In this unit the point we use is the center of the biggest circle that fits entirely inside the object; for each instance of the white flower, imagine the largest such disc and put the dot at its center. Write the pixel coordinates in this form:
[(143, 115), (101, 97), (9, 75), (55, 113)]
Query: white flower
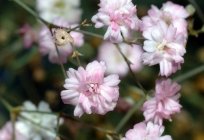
[(42, 126), (67, 9)]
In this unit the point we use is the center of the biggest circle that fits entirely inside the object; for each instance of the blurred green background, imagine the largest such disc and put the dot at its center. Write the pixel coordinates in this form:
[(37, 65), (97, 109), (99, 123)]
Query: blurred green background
[(26, 75)]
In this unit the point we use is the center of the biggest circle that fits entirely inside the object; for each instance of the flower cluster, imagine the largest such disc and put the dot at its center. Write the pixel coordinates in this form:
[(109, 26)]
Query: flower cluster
[(41, 127), (119, 16), (166, 33), (88, 88)]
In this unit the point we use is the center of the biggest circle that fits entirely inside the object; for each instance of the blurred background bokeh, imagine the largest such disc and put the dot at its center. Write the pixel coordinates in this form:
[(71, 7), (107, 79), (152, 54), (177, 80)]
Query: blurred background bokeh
[(26, 75)]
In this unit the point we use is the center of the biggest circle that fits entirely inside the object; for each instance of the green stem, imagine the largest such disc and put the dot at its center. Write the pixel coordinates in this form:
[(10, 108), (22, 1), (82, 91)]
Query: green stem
[(58, 54), (129, 66), (41, 112), (129, 115), (90, 34), (29, 10), (76, 54), (189, 74)]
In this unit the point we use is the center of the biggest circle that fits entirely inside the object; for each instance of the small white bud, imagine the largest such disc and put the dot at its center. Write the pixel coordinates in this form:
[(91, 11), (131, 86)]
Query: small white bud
[(62, 37)]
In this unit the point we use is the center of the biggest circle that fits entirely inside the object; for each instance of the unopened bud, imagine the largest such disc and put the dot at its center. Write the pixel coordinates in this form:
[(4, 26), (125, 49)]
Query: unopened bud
[(62, 37)]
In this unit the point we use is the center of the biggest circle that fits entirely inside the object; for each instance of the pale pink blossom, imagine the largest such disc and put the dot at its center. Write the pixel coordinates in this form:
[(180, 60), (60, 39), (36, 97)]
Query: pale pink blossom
[(165, 47), (116, 63), (170, 13), (29, 35), (21, 131), (90, 91), (165, 102), (119, 16), (47, 46), (149, 131)]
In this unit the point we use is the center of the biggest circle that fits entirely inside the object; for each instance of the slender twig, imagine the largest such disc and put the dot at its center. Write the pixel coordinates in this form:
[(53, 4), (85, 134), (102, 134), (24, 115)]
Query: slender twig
[(58, 125), (90, 34), (198, 9), (75, 54), (129, 114), (129, 66), (13, 121), (29, 10), (89, 125), (41, 112), (189, 74), (58, 55), (12, 115)]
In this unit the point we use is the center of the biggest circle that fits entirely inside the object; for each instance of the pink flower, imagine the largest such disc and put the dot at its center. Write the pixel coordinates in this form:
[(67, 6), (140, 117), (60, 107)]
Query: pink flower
[(90, 91), (171, 7), (168, 15), (47, 46), (21, 131), (141, 131), (164, 104), (28, 34), (119, 16), (164, 47), (116, 63)]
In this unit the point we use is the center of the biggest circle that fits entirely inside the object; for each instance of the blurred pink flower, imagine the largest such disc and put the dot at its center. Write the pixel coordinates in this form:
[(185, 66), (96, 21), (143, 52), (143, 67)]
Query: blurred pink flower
[(47, 46), (116, 63), (120, 17), (90, 91), (29, 35), (164, 104), (21, 131), (141, 131), (164, 47), (168, 15)]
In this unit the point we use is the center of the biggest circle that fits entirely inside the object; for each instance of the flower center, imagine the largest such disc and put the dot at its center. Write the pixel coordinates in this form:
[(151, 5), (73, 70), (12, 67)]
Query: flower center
[(162, 45), (91, 89)]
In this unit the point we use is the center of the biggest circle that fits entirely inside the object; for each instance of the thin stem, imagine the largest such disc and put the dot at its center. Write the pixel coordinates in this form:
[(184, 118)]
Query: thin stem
[(29, 10), (76, 54), (129, 66), (189, 74), (13, 121), (89, 125), (6, 104), (129, 114), (36, 124), (58, 54), (198, 9), (58, 125), (90, 34), (41, 112)]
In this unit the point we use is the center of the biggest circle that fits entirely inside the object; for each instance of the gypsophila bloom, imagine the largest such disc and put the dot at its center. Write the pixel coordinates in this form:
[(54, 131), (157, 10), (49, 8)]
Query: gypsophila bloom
[(22, 132), (116, 63), (151, 131), (29, 35), (90, 91), (170, 13), (47, 121), (68, 10), (62, 40), (119, 16), (165, 47), (164, 103)]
